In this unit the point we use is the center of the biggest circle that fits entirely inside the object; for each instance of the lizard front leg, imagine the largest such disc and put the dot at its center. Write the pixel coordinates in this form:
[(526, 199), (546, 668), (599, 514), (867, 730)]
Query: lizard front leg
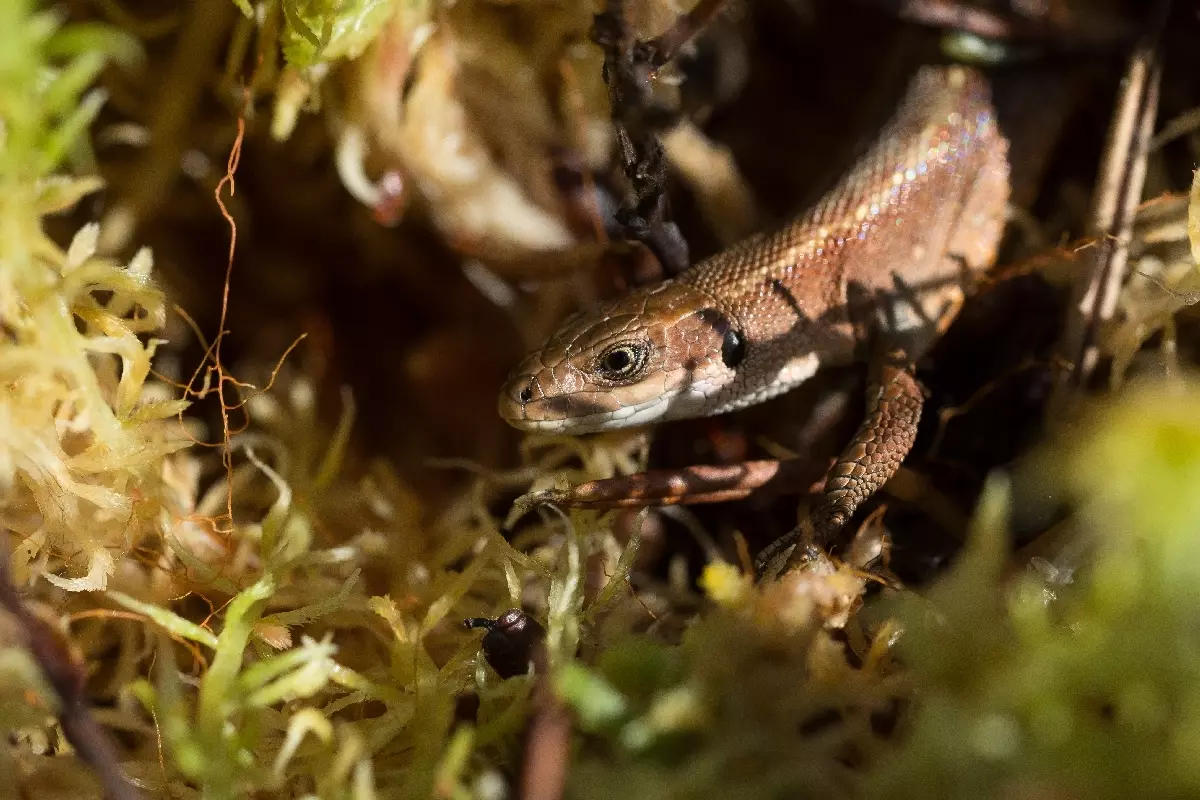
[(894, 401)]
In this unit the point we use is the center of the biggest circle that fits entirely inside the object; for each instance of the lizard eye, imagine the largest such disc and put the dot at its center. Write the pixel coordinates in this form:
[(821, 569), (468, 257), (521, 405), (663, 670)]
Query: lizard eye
[(733, 348), (621, 361)]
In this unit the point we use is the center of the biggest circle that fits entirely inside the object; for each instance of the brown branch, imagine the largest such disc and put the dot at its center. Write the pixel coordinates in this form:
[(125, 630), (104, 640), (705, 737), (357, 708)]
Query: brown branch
[(630, 67), (514, 642), (547, 744), (1094, 30), (65, 676), (176, 104), (1114, 205), (663, 49), (548, 737)]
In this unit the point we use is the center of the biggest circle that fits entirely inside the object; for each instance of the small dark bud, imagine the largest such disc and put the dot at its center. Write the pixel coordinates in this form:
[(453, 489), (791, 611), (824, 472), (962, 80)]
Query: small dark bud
[(466, 708), (512, 641)]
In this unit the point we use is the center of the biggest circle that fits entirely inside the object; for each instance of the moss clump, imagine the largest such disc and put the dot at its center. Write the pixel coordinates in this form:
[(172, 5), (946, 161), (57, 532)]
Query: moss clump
[(291, 628), (80, 427), (1078, 678), (1069, 679)]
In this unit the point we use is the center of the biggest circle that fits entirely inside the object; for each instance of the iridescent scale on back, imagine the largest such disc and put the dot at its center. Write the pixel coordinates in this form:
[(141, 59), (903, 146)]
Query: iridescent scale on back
[(922, 210), (884, 259)]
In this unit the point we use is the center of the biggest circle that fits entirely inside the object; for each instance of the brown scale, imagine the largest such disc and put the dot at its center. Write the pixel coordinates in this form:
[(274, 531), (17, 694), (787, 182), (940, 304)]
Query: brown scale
[(802, 288), (874, 271)]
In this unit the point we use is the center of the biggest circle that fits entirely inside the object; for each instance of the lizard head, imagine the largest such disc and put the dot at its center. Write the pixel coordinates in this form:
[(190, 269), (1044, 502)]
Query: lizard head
[(659, 353)]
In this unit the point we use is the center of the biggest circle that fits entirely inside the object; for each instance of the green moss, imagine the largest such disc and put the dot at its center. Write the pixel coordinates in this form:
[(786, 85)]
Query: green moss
[(335, 667), (1090, 689)]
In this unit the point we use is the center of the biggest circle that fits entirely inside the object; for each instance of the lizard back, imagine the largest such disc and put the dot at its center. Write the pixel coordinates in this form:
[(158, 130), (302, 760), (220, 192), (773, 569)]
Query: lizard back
[(886, 253), (896, 238)]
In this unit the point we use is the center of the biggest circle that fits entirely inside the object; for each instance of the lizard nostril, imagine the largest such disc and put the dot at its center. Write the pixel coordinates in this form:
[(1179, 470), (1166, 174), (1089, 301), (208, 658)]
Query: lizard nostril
[(526, 394)]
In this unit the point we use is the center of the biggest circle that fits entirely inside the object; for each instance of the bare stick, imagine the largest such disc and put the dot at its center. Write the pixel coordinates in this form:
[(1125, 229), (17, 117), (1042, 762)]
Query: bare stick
[(84, 733), (664, 48), (1114, 203), (1094, 30)]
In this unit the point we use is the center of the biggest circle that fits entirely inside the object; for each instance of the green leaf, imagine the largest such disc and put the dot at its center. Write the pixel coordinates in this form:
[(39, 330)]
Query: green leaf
[(598, 705)]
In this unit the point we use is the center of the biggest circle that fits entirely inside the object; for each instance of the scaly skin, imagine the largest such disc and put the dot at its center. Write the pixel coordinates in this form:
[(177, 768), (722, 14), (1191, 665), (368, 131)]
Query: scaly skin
[(878, 265)]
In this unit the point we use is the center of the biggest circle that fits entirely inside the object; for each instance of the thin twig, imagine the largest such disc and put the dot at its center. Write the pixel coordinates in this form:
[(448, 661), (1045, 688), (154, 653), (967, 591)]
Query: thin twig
[(663, 49), (175, 106), (1088, 31), (1114, 203), (85, 734), (629, 67), (548, 734), (547, 744), (943, 14)]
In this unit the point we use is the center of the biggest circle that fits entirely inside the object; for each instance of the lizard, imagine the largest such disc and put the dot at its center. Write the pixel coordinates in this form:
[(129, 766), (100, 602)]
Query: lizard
[(873, 273)]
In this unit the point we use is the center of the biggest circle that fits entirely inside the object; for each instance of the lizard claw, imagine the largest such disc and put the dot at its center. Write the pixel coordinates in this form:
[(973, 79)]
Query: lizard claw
[(801, 547), (796, 549), (803, 554)]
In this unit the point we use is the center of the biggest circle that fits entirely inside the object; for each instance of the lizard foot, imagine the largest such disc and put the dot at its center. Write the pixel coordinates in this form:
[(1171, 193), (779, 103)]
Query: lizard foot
[(801, 547), (883, 440)]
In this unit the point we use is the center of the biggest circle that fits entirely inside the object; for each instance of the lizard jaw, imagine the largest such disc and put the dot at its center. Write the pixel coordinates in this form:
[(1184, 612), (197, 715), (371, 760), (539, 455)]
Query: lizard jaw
[(523, 416)]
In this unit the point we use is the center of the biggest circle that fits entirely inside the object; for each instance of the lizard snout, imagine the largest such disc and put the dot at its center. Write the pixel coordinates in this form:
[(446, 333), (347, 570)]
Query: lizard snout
[(533, 397), (519, 391), (553, 400)]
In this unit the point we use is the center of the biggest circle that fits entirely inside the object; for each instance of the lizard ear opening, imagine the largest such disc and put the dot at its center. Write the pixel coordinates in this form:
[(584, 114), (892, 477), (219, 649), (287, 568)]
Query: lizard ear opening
[(733, 343), (733, 348)]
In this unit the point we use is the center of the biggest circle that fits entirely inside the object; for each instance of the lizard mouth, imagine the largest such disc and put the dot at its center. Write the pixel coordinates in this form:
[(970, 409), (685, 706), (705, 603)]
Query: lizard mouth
[(525, 408)]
